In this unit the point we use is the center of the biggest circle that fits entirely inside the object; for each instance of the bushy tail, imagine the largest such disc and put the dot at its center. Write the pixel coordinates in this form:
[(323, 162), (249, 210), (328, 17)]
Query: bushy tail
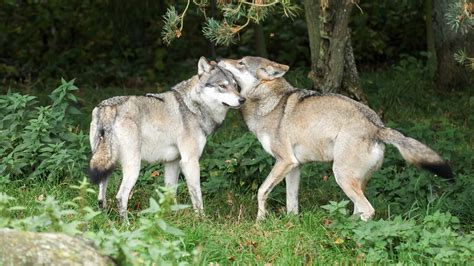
[(417, 153), (103, 154)]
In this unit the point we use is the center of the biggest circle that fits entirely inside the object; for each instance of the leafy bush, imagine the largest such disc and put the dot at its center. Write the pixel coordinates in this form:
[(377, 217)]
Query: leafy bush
[(239, 163), (41, 141), (432, 238), (152, 238)]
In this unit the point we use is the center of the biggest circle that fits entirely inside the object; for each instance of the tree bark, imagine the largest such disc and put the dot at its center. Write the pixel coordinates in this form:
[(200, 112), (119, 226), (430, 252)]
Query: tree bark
[(260, 43), (213, 14), (449, 73), (430, 42), (333, 67), (341, 11), (28, 248), (350, 78), (312, 13)]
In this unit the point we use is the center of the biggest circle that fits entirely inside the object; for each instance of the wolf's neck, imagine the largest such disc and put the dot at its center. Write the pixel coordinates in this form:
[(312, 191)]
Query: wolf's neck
[(211, 118), (263, 103)]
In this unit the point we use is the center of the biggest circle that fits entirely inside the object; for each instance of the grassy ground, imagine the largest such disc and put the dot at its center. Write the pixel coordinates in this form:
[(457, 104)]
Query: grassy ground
[(228, 233)]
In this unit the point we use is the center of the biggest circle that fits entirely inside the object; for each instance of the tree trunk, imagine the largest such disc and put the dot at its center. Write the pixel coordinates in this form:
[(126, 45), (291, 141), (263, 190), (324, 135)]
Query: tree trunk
[(350, 78), (260, 44), (339, 21), (430, 42), (449, 73), (312, 12), (333, 67), (28, 248), (213, 14)]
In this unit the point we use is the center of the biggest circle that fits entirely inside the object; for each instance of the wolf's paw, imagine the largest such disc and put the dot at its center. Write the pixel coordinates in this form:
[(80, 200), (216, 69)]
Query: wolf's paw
[(102, 204)]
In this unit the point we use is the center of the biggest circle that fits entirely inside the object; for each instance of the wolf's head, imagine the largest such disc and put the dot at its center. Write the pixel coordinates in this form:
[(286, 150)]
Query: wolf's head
[(250, 71), (217, 86)]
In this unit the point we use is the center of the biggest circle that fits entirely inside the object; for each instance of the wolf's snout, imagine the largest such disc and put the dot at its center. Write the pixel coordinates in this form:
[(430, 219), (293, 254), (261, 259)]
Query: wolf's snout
[(242, 100), (218, 59)]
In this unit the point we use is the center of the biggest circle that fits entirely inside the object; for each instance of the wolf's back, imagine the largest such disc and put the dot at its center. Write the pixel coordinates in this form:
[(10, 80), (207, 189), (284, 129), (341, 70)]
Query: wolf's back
[(103, 151), (416, 153)]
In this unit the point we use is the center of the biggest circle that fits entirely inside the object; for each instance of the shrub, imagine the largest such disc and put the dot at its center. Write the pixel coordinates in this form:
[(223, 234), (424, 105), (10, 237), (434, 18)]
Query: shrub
[(432, 238), (152, 239), (41, 141), (238, 163)]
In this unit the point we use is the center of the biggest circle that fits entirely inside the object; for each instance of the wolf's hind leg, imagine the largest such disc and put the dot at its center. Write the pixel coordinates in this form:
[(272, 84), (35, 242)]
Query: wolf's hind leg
[(130, 171), (353, 171), (292, 186), (102, 193), (353, 189), (128, 136)]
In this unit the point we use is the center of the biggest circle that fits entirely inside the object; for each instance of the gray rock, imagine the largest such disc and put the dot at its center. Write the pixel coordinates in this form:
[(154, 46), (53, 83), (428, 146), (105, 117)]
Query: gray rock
[(29, 248)]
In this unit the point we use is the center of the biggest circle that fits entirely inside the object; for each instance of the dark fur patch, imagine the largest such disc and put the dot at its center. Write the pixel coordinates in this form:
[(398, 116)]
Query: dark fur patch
[(284, 101), (96, 175), (305, 94), (155, 96), (440, 169)]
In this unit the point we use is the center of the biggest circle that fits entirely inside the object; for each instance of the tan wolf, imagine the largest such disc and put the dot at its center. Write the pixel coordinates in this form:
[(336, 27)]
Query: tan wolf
[(297, 126), (170, 127)]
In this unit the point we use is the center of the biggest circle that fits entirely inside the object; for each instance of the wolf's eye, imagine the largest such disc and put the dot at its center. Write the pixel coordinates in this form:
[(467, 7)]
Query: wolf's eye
[(221, 88)]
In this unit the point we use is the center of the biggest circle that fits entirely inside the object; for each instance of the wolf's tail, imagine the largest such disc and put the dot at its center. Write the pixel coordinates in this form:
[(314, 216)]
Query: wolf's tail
[(417, 153), (103, 153)]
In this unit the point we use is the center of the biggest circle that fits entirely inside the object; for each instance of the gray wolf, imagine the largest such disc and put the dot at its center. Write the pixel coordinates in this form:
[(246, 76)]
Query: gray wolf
[(297, 126), (170, 127)]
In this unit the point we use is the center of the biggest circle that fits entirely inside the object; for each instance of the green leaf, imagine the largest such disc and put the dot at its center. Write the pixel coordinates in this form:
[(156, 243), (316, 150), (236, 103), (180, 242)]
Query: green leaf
[(17, 208), (154, 207), (177, 207)]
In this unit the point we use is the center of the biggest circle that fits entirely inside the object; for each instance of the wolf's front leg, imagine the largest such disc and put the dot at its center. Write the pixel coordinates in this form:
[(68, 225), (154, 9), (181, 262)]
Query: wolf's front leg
[(279, 170), (171, 175), (292, 187), (190, 167)]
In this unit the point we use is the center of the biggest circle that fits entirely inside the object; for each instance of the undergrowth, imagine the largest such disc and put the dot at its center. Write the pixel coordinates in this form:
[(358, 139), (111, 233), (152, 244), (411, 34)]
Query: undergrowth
[(41, 141), (151, 236)]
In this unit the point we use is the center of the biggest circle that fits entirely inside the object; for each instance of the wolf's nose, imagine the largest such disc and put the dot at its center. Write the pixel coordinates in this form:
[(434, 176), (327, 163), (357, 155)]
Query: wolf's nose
[(218, 59), (242, 100)]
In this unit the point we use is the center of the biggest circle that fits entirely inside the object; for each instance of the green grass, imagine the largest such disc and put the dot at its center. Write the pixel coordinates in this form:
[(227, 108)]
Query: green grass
[(228, 233)]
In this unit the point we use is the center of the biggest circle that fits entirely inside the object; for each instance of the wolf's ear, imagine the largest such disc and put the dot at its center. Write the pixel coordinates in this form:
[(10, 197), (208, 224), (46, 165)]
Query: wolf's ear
[(203, 66), (272, 71)]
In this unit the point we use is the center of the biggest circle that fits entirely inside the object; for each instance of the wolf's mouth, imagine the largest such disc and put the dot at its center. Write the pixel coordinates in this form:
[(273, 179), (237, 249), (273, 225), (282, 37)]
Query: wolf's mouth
[(231, 106)]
